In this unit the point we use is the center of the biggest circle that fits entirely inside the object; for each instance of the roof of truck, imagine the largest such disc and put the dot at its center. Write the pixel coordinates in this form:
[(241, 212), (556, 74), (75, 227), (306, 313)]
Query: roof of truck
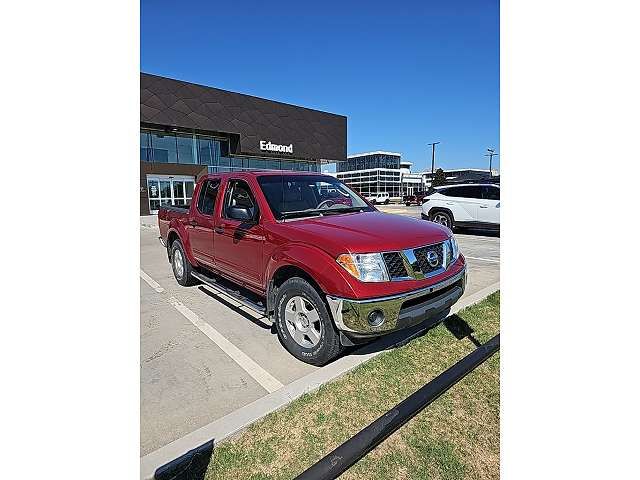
[(261, 173)]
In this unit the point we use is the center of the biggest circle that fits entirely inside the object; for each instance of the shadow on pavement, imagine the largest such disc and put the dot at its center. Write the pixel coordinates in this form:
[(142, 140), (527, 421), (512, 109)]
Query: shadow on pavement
[(266, 325), (190, 466)]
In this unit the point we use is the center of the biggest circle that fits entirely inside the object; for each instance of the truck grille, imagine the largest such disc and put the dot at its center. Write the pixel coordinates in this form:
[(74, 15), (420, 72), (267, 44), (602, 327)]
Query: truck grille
[(423, 253), (395, 265), (414, 262)]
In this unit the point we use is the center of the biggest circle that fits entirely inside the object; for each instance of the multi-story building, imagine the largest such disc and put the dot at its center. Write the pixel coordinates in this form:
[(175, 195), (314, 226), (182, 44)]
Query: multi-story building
[(188, 130), (373, 172)]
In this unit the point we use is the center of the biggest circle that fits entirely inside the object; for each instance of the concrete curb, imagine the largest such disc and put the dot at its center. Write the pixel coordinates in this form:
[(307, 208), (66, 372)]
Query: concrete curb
[(234, 422)]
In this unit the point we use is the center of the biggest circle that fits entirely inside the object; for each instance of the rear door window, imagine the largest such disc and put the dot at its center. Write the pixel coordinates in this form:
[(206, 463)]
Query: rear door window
[(207, 198), (463, 191)]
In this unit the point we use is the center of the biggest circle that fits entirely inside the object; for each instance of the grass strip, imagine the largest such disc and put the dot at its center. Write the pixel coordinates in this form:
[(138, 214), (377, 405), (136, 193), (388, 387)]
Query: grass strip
[(458, 436)]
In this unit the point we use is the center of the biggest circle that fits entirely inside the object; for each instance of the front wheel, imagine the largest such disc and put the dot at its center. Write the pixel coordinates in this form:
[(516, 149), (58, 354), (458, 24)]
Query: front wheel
[(443, 218), (303, 323)]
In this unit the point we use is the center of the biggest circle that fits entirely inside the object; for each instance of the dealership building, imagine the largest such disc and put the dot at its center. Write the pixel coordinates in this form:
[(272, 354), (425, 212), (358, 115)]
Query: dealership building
[(189, 130)]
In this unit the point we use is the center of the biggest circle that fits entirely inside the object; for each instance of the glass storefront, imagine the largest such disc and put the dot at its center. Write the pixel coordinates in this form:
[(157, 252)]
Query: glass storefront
[(167, 147), (168, 190)]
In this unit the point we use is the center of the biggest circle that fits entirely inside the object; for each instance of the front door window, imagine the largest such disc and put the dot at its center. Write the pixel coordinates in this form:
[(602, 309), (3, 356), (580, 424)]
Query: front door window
[(169, 191)]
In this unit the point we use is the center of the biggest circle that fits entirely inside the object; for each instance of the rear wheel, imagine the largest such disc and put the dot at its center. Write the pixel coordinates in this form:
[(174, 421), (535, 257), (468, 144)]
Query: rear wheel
[(443, 218), (303, 323), (180, 265)]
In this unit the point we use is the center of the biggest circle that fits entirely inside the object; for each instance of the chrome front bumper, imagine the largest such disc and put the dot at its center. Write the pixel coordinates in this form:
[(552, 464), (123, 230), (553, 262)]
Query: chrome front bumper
[(400, 311)]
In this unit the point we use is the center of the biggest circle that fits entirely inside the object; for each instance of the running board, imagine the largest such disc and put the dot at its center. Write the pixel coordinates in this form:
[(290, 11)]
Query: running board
[(257, 307)]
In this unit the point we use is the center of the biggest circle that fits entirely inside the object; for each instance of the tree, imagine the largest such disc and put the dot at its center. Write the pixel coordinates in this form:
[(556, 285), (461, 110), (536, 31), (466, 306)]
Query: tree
[(438, 178)]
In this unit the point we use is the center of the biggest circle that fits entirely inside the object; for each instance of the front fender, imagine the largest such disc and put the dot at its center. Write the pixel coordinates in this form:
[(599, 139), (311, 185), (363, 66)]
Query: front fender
[(319, 265)]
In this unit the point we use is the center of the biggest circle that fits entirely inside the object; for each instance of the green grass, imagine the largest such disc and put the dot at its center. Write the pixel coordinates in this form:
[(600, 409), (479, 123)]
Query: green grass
[(457, 436)]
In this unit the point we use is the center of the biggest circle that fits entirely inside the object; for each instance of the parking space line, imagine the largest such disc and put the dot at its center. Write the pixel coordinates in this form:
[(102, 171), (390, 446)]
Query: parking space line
[(259, 374), (491, 260), (151, 282)]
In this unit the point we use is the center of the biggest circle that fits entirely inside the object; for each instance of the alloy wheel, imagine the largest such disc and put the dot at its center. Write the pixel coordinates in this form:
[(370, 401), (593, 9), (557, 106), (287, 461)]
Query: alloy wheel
[(442, 219), (303, 322), (178, 263)]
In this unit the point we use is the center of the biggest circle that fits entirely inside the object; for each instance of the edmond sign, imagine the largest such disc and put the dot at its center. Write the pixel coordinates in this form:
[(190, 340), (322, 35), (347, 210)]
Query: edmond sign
[(272, 147)]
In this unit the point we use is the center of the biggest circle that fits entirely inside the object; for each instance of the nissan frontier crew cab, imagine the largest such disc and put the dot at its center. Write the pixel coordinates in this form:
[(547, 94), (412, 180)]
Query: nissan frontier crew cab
[(317, 259)]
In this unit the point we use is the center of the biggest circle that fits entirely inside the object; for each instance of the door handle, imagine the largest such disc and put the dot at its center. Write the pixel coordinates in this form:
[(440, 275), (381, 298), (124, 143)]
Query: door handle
[(193, 223), (484, 206), (219, 229)]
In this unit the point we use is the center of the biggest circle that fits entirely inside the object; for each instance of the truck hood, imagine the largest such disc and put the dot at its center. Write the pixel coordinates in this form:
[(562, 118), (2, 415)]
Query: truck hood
[(364, 232)]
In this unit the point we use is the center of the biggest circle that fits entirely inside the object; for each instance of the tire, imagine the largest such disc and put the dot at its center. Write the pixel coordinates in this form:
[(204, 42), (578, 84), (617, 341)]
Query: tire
[(316, 339), (408, 204), (386, 202), (180, 265), (443, 218)]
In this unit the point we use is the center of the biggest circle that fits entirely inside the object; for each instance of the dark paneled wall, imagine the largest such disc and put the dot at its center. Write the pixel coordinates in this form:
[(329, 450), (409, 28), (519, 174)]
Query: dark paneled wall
[(315, 135)]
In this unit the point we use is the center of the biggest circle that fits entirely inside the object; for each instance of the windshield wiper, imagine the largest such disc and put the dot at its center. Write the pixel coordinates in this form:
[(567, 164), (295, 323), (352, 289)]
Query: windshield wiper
[(319, 211), (301, 213), (343, 210)]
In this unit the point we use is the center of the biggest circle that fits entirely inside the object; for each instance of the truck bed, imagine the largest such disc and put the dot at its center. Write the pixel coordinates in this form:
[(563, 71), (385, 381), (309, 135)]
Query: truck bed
[(168, 212)]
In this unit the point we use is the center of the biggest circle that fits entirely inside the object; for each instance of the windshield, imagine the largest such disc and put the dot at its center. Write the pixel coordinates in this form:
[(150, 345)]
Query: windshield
[(291, 196)]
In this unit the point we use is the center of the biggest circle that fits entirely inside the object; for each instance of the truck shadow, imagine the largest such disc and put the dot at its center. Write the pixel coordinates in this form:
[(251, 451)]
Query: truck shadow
[(256, 321)]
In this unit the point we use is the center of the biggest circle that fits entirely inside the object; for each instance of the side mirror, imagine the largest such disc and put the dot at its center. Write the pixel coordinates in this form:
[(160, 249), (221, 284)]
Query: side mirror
[(240, 213)]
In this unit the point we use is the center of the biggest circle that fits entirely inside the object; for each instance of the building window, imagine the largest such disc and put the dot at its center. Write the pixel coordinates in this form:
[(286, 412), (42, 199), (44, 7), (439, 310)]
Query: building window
[(145, 147), (164, 148), (186, 151)]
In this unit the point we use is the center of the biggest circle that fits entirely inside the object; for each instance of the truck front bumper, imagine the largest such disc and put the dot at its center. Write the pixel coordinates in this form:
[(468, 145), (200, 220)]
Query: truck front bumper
[(360, 318)]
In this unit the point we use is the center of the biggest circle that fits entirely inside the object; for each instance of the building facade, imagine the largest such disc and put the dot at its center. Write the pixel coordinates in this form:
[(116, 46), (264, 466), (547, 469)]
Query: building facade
[(375, 172), (189, 130)]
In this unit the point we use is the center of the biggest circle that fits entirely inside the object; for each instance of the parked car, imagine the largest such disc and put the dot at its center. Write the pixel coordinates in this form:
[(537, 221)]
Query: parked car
[(379, 198), (467, 205), (416, 198), (329, 275)]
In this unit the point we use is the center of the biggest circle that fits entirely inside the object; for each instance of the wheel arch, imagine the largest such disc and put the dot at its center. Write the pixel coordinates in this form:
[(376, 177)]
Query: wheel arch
[(310, 263), (179, 234), (436, 209)]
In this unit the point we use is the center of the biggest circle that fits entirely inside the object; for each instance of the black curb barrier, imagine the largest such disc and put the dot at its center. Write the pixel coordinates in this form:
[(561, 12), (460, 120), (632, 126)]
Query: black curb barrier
[(190, 466), (347, 454)]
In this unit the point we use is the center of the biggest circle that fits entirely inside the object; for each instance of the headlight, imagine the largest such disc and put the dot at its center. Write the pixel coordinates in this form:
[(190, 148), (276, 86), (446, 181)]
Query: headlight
[(366, 267), (454, 248)]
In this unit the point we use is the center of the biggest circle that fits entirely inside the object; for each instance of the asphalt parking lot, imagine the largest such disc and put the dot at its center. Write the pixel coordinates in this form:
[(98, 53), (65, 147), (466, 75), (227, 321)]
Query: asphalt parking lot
[(203, 356)]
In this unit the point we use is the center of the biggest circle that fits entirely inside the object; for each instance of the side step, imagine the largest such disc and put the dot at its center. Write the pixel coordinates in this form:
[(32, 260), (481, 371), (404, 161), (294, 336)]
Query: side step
[(256, 306)]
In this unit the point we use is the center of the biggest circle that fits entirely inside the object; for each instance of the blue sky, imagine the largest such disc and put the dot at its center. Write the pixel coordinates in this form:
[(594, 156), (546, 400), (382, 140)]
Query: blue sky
[(404, 73)]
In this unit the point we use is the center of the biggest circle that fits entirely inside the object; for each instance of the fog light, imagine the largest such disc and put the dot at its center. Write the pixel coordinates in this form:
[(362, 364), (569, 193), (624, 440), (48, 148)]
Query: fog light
[(376, 318)]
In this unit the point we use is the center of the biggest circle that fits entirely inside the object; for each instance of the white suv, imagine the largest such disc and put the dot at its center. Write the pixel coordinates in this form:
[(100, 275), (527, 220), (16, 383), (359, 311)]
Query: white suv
[(469, 205), (378, 198)]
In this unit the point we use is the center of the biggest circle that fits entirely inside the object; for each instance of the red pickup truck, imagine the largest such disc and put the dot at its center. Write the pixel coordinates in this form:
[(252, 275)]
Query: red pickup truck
[(314, 257)]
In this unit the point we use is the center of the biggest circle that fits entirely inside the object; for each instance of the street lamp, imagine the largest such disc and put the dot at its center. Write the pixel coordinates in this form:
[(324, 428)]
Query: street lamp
[(491, 155), (433, 156)]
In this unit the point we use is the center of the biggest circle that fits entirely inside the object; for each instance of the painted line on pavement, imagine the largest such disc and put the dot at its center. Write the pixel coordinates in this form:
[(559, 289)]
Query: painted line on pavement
[(259, 374), (151, 282), (491, 260), (238, 420)]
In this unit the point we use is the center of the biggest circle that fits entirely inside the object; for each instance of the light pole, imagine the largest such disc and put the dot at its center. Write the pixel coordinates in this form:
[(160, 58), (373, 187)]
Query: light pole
[(433, 156), (491, 155)]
